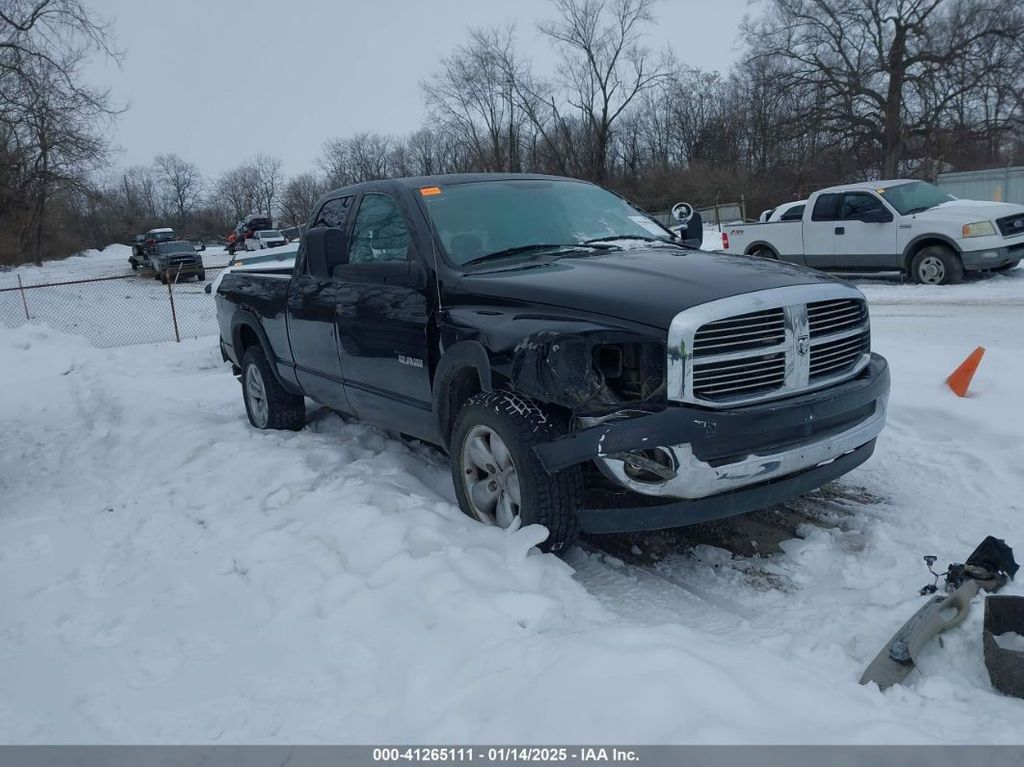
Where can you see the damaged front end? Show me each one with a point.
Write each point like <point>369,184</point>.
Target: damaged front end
<point>591,373</point>
<point>749,401</point>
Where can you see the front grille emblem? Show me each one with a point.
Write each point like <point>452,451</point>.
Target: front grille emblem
<point>803,344</point>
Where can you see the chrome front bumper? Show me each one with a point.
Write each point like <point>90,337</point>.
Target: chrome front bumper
<point>694,478</point>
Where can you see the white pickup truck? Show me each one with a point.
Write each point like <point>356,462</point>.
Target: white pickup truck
<point>905,225</point>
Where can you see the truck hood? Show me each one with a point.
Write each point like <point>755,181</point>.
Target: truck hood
<point>969,211</point>
<point>645,285</point>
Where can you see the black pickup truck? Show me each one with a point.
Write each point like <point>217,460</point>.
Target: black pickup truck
<point>582,369</point>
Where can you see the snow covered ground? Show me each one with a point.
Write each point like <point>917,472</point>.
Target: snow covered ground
<point>167,574</point>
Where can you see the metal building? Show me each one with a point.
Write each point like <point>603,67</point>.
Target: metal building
<point>997,184</point>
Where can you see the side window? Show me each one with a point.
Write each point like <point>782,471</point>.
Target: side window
<point>856,204</point>
<point>333,213</point>
<point>380,234</point>
<point>826,208</point>
<point>793,214</point>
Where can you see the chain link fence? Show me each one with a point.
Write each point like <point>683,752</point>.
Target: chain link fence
<point>113,311</point>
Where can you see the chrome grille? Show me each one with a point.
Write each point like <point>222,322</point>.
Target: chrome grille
<point>831,358</point>
<point>747,331</point>
<point>767,344</point>
<point>740,377</point>
<point>825,317</point>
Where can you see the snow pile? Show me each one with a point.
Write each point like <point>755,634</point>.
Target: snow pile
<point>168,574</point>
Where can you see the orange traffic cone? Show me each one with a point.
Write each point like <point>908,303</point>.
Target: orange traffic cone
<point>960,378</point>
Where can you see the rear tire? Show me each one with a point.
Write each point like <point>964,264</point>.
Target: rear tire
<point>765,253</point>
<point>936,265</point>
<point>201,277</point>
<point>498,477</point>
<point>268,404</point>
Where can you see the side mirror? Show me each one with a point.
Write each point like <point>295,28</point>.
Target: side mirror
<point>876,216</point>
<point>682,211</point>
<point>325,249</point>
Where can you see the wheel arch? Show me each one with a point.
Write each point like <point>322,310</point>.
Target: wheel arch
<point>464,370</point>
<point>246,331</point>
<point>760,245</point>
<point>923,241</point>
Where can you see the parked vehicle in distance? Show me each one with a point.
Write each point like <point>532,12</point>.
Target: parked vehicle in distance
<point>245,230</point>
<point>177,261</point>
<point>787,211</point>
<point>156,236</point>
<point>138,257</point>
<point>900,225</point>
<point>580,366</point>
<point>265,238</point>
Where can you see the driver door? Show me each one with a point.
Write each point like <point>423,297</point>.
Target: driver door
<point>861,244</point>
<point>382,320</point>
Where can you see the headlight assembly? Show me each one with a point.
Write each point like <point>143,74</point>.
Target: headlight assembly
<point>979,229</point>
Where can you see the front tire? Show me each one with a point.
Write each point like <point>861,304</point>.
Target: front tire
<point>937,265</point>
<point>497,476</point>
<point>268,404</point>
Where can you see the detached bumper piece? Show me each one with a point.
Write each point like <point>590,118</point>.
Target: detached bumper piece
<point>726,462</point>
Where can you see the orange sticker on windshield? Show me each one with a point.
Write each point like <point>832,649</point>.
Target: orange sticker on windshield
<point>430,191</point>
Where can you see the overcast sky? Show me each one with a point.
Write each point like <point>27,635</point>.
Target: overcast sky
<point>217,81</point>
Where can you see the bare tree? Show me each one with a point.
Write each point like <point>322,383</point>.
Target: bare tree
<point>266,171</point>
<point>884,71</point>
<point>48,117</point>
<point>181,182</point>
<point>363,157</point>
<point>299,195</point>
<point>604,66</point>
<point>236,192</point>
<point>474,96</point>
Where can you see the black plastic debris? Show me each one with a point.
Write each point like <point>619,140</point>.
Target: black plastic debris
<point>1004,615</point>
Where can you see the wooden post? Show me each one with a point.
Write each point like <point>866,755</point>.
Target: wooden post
<point>174,315</point>
<point>24,303</point>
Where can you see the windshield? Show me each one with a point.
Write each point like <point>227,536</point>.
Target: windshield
<point>914,197</point>
<point>497,217</point>
<point>270,234</point>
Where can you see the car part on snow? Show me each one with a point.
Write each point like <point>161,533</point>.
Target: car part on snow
<point>1004,617</point>
<point>988,567</point>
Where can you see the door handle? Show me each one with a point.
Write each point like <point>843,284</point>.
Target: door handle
<point>840,230</point>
